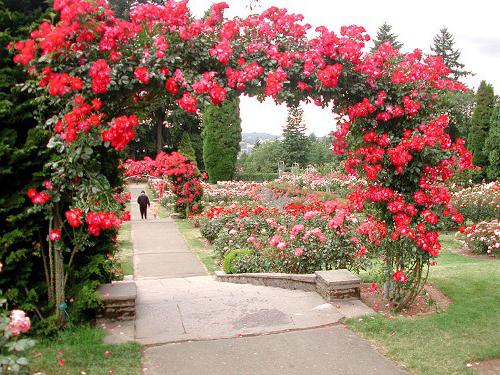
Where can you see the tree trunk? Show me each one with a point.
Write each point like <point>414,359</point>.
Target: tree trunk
<point>160,117</point>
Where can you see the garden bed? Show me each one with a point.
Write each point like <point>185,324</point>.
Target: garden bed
<point>429,302</point>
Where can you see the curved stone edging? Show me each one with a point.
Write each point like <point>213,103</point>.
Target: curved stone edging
<point>331,285</point>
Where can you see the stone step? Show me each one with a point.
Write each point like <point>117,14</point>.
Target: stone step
<point>118,300</point>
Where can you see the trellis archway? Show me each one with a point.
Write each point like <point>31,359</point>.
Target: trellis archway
<point>94,72</point>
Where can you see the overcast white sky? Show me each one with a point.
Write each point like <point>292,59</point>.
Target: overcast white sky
<point>474,24</point>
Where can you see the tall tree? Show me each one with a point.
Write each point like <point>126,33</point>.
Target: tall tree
<point>480,123</point>
<point>385,34</point>
<point>443,45</point>
<point>295,142</point>
<point>21,161</point>
<point>492,145</point>
<point>459,106</point>
<point>186,147</point>
<point>221,139</point>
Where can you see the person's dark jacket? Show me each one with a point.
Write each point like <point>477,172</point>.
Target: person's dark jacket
<point>143,201</point>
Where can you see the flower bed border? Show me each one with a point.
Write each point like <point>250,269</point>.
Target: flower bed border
<point>332,285</point>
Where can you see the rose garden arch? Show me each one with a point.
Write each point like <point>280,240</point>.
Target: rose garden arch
<point>95,73</point>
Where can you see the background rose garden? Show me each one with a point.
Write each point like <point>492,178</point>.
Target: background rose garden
<point>386,99</point>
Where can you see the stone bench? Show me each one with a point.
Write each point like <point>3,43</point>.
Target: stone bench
<point>118,300</point>
<point>331,285</point>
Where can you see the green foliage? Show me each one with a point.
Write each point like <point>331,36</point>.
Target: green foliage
<point>263,159</point>
<point>320,152</point>
<point>22,155</point>
<point>251,263</point>
<point>385,34</point>
<point>186,148</point>
<point>443,45</point>
<point>480,123</point>
<point>459,106</point>
<point>492,145</point>
<point>295,143</point>
<point>221,139</point>
<point>23,228</point>
<point>82,350</point>
<point>230,257</point>
<point>210,229</point>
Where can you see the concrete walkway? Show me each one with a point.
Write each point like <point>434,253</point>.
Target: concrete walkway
<point>193,324</point>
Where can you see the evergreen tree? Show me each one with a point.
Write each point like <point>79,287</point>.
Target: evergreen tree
<point>295,142</point>
<point>459,106</point>
<point>221,139</point>
<point>480,123</point>
<point>385,34</point>
<point>492,145</point>
<point>21,161</point>
<point>444,46</point>
<point>186,147</point>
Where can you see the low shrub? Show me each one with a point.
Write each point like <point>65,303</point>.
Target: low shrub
<point>230,257</point>
<point>478,202</point>
<point>483,238</point>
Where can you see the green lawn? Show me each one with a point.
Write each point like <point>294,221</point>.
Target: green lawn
<point>83,352</point>
<point>195,242</point>
<point>444,343</point>
<point>126,253</point>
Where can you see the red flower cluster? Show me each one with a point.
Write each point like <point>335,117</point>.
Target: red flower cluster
<point>97,221</point>
<point>121,131</point>
<point>27,51</point>
<point>329,76</point>
<point>80,119</point>
<point>188,102</point>
<point>142,74</point>
<point>55,235</point>
<point>37,197</point>
<point>274,82</point>
<point>74,217</point>
<point>59,83</point>
<point>100,72</point>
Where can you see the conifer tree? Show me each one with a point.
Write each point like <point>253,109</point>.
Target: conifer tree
<point>21,161</point>
<point>186,147</point>
<point>492,145</point>
<point>295,142</point>
<point>443,45</point>
<point>385,34</point>
<point>480,123</point>
<point>221,139</point>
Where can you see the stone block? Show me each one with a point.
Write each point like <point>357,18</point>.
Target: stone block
<point>118,300</point>
<point>338,285</point>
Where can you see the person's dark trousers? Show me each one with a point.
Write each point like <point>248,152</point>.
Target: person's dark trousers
<point>144,212</point>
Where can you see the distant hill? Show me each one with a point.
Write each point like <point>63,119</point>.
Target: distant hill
<point>252,138</point>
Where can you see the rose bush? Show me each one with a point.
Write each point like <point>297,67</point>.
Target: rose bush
<point>300,238</point>
<point>183,179</point>
<point>94,72</point>
<point>478,202</point>
<point>12,346</point>
<point>483,237</point>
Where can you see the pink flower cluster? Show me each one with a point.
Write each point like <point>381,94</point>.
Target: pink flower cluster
<point>19,323</point>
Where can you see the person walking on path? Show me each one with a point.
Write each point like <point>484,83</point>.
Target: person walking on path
<point>143,201</point>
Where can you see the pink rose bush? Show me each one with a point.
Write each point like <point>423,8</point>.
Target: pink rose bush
<point>483,237</point>
<point>300,238</point>
<point>12,345</point>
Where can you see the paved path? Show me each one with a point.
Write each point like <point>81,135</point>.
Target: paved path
<point>193,324</point>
